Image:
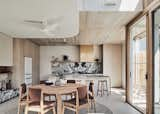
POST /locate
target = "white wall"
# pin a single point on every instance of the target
(46, 53)
(123, 66)
(112, 63)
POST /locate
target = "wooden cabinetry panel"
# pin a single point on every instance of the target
(86, 53)
(6, 51)
(112, 63)
(25, 48)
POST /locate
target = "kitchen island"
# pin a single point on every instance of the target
(82, 78)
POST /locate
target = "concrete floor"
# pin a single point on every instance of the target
(114, 102)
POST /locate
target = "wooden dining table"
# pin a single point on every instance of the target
(58, 91)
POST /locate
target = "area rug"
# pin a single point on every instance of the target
(100, 109)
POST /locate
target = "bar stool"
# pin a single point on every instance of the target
(102, 87)
(105, 87)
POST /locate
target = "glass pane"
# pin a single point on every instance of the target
(157, 62)
(138, 64)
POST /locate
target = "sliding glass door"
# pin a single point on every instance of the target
(156, 60)
(138, 65)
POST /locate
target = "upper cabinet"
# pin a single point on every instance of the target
(90, 53)
(86, 53)
(6, 51)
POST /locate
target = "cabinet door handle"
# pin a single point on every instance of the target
(146, 76)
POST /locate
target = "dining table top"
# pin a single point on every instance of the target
(57, 90)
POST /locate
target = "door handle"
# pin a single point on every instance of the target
(130, 74)
(146, 76)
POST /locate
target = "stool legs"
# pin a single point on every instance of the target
(106, 87)
(102, 87)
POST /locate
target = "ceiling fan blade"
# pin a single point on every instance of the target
(34, 21)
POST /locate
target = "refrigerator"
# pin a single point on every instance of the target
(28, 70)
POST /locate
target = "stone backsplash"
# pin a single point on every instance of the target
(64, 68)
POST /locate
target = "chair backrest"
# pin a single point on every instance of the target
(91, 90)
(71, 81)
(43, 81)
(23, 88)
(91, 87)
(82, 92)
(34, 94)
(22, 92)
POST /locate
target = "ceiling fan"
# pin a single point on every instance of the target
(47, 26)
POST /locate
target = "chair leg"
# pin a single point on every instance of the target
(94, 106)
(76, 111)
(63, 109)
(18, 112)
(88, 109)
(26, 110)
(91, 104)
(54, 112)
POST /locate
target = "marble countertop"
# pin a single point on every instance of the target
(80, 77)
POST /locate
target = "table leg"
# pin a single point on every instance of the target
(59, 104)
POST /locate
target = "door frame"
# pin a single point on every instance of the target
(128, 39)
(148, 11)
(152, 33)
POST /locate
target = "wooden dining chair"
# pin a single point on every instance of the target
(43, 81)
(71, 81)
(80, 101)
(92, 100)
(22, 97)
(70, 94)
(36, 102)
(47, 97)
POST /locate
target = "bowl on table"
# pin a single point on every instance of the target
(48, 82)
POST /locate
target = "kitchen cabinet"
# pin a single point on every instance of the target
(6, 50)
(86, 53)
(89, 53)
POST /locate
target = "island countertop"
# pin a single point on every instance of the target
(81, 77)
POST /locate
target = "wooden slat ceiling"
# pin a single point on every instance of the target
(95, 28)
(55, 41)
